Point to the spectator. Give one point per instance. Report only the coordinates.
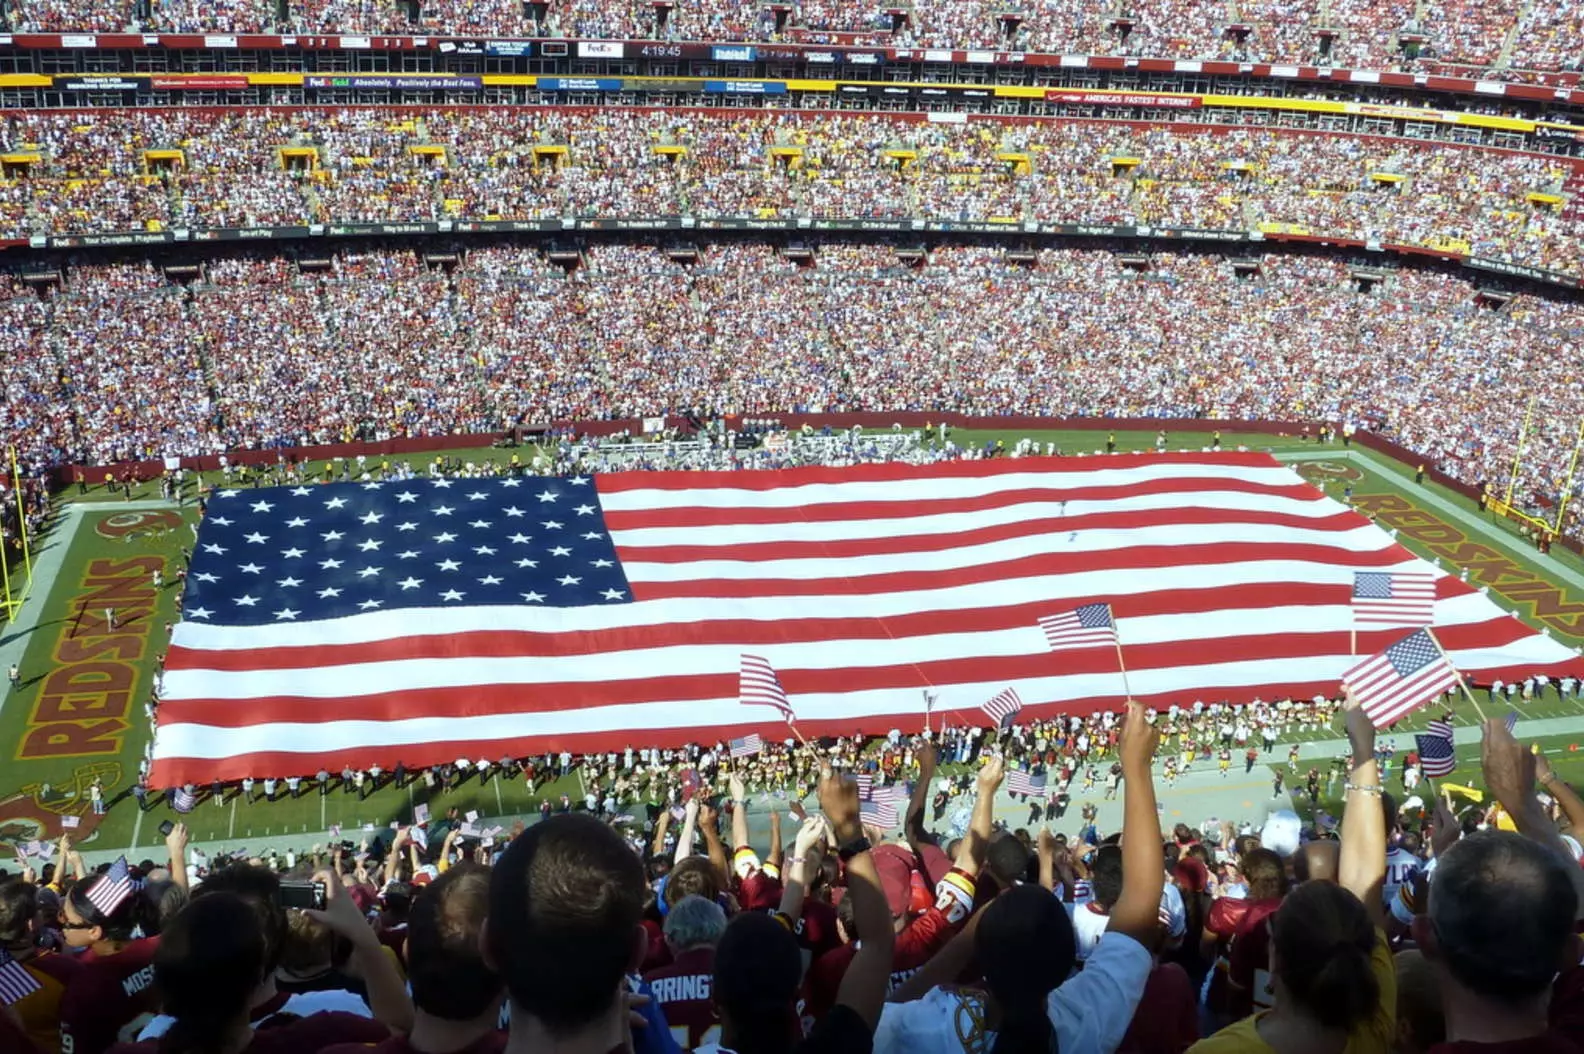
(1027, 947)
(111, 927)
(1332, 978)
(456, 997)
(208, 968)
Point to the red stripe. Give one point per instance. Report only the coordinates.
(824, 512)
(474, 700)
(891, 471)
(177, 771)
(946, 540)
(1133, 558)
(495, 644)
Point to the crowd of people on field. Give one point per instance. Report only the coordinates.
(247, 168)
(1546, 36)
(120, 364)
(1408, 927)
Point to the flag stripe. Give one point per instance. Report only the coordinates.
(944, 640)
(1292, 504)
(859, 586)
(1165, 592)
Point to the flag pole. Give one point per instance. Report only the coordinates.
(1116, 638)
(1429, 632)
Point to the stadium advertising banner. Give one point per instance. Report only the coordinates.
(141, 85)
(399, 83)
(1108, 98)
(201, 82)
(743, 53)
(508, 48)
(746, 87)
(581, 84)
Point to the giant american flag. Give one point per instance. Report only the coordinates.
(424, 620)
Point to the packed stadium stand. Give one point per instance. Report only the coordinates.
(119, 363)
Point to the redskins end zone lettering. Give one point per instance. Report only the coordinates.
(1486, 566)
(82, 703)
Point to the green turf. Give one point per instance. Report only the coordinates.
(110, 532)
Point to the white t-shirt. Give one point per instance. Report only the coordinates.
(300, 1004)
(1089, 925)
(1090, 1012)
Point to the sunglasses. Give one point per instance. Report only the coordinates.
(77, 925)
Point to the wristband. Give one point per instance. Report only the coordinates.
(795, 859)
(1364, 788)
(853, 848)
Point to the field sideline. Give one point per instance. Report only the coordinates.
(103, 550)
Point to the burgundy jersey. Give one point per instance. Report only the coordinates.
(109, 998)
(683, 991)
(493, 1042)
(311, 1033)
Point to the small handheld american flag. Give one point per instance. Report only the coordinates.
(1406, 675)
(758, 685)
(1436, 757)
(16, 981)
(747, 746)
(1002, 707)
(1086, 626)
(880, 813)
(1390, 598)
(113, 887)
(865, 783)
(1021, 782)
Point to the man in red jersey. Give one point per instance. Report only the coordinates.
(919, 933)
(683, 987)
(456, 996)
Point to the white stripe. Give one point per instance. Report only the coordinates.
(1362, 539)
(184, 740)
(796, 530)
(642, 664)
(730, 494)
(768, 607)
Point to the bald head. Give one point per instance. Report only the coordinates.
(1317, 861)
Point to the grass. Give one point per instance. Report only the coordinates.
(123, 546)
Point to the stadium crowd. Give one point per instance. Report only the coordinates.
(1407, 927)
(119, 364)
(1510, 39)
(374, 164)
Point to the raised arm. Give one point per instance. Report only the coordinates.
(1137, 911)
(739, 813)
(971, 854)
(708, 823)
(662, 825)
(689, 831)
(777, 851)
(1572, 805)
(1362, 867)
(913, 824)
(176, 847)
(1509, 774)
(806, 859)
(387, 992)
(863, 987)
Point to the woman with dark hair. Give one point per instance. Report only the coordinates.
(1026, 947)
(111, 924)
(208, 965)
(1332, 985)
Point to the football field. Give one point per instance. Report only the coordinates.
(78, 713)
